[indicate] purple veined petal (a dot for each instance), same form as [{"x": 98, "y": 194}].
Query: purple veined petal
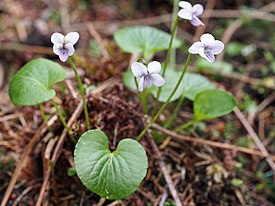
[
  {"x": 57, "y": 47},
  {"x": 216, "y": 47},
  {"x": 71, "y": 38},
  {"x": 185, "y": 14},
  {"x": 197, "y": 9},
  {"x": 138, "y": 69},
  {"x": 154, "y": 67},
  {"x": 194, "y": 49},
  {"x": 201, "y": 53},
  {"x": 57, "y": 38},
  {"x": 207, "y": 38},
  {"x": 63, "y": 54},
  {"x": 141, "y": 84},
  {"x": 70, "y": 49},
  {"x": 209, "y": 56},
  {"x": 157, "y": 80},
  {"x": 148, "y": 81},
  {"x": 196, "y": 21},
  {"x": 185, "y": 5}
]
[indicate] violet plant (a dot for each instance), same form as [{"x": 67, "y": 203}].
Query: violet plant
[{"x": 117, "y": 174}]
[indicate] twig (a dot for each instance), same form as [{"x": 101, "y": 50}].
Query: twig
[
  {"x": 261, "y": 107},
  {"x": 201, "y": 29},
  {"x": 255, "y": 137},
  {"x": 43, "y": 128},
  {"x": 94, "y": 33},
  {"x": 238, "y": 76},
  {"x": 228, "y": 34},
  {"x": 165, "y": 172},
  {"x": 211, "y": 143}
]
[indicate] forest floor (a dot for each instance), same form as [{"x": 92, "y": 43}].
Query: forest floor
[{"x": 220, "y": 165}]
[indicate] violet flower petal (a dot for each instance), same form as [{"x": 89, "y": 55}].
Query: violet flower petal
[
  {"x": 57, "y": 47},
  {"x": 197, "y": 9},
  {"x": 57, "y": 38},
  {"x": 148, "y": 81},
  {"x": 141, "y": 84},
  {"x": 138, "y": 69},
  {"x": 70, "y": 49},
  {"x": 195, "y": 21},
  {"x": 185, "y": 14},
  {"x": 216, "y": 47},
  {"x": 207, "y": 38},
  {"x": 157, "y": 80},
  {"x": 194, "y": 49},
  {"x": 154, "y": 67},
  {"x": 185, "y": 5},
  {"x": 71, "y": 38},
  {"x": 63, "y": 54}
]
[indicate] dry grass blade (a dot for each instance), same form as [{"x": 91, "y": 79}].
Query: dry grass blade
[
  {"x": 43, "y": 128},
  {"x": 212, "y": 143}
]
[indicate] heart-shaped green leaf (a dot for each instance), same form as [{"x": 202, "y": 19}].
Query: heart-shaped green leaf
[
  {"x": 112, "y": 175},
  {"x": 213, "y": 103},
  {"x": 144, "y": 40},
  {"x": 32, "y": 84},
  {"x": 191, "y": 85}
]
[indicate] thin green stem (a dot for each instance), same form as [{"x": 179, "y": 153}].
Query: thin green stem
[
  {"x": 167, "y": 101},
  {"x": 173, "y": 32},
  {"x": 43, "y": 115},
  {"x": 174, "y": 16},
  {"x": 175, "y": 112},
  {"x": 185, "y": 125},
  {"x": 61, "y": 117},
  {"x": 81, "y": 88}
]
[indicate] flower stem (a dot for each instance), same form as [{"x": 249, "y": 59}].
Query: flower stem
[
  {"x": 62, "y": 119},
  {"x": 174, "y": 16},
  {"x": 175, "y": 112},
  {"x": 167, "y": 101},
  {"x": 173, "y": 32},
  {"x": 43, "y": 115},
  {"x": 81, "y": 88}
]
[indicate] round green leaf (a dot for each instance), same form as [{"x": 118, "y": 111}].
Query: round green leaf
[
  {"x": 112, "y": 175},
  {"x": 213, "y": 103},
  {"x": 32, "y": 84},
  {"x": 191, "y": 85},
  {"x": 144, "y": 39}
]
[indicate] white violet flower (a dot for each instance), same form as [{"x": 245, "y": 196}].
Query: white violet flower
[
  {"x": 148, "y": 75},
  {"x": 191, "y": 13},
  {"x": 63, "y": 46},
  {"x": 207, "y": 47}
]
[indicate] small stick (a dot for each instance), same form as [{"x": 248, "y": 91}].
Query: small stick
[
  {"x": 255, "y": 137},
  {"x": 43, "y": 128},
  {"x": 211, "y": 143},
  {"x": 163, "y": 167},
  {"x": 165, "y": 172},
  {"x": 201, "y": 29},
  {"x": 94, "y": 33}
]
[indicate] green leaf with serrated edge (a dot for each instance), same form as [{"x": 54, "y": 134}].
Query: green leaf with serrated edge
[
  {"x": 112, "y": 175},
  {"x": 191, "y": 85},
  {"x": 32, "y": 84},
  {"x": 213, "y": 103},
  {"x": 144, "y": 40}
]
